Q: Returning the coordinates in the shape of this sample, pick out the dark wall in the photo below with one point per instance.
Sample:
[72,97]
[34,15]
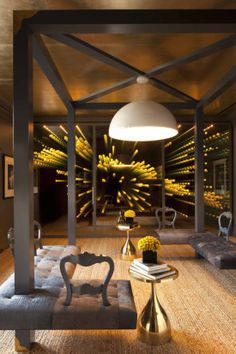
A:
[6,205]
[52,196]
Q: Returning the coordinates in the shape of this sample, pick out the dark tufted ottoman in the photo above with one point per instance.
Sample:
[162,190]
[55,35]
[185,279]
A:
[217,251]
[47,263]
[44,307]
[34,309]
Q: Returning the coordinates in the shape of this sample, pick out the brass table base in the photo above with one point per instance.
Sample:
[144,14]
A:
[128,251]
[153,323]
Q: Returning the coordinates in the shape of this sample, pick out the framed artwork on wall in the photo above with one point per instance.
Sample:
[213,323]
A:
[8,176]
[219,176]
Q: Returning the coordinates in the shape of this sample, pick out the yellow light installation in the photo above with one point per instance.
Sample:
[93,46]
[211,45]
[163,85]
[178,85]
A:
[132,180]
[180,169]
[177,188]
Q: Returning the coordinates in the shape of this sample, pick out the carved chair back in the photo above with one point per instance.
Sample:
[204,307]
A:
[86,259]
[225,221]
[10,238]
[170,216]
[37,237]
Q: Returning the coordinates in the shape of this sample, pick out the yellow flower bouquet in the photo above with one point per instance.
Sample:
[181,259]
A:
[129,216]
[149,245]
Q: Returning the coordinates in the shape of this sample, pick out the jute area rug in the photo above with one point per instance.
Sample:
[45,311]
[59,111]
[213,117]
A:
[201,306]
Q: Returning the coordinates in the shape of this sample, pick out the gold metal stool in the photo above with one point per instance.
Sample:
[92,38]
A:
[153,324]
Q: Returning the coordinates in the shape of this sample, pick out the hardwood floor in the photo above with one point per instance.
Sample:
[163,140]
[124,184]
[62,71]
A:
[201,306]
[6,265]
[106,227]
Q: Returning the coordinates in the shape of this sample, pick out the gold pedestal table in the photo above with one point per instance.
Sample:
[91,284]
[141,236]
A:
[153,324]
[128,251]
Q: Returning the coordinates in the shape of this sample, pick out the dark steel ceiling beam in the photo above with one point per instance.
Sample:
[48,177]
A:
[134,21]
[45,61]
[222,85]
[174,106]
[96,53]
[108,59]
[103,92]
[196,55]
[171,90]
[226,109]
[55,120]
[105,120]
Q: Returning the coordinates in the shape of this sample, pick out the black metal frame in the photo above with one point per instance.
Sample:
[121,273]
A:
[86,259]
[60,23]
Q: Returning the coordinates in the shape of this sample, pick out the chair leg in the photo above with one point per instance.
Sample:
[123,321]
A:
[198,255]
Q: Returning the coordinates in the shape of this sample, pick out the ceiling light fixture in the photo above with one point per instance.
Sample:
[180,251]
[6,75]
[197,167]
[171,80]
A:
[143,121]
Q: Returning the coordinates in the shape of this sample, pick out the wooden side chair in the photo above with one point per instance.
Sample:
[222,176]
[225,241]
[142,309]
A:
[170,217]
[37,237]
[93,303]
[225,221]
[10,238]
[86,259]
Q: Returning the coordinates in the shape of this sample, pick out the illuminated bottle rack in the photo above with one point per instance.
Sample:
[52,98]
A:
[120,183]
[136,183]
[180,168]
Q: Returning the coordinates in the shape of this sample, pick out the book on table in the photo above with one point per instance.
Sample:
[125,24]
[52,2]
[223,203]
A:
[154,276]
[136,267]
[149,267]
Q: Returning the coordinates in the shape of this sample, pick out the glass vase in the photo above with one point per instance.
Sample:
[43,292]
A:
[149,257]
[129,221]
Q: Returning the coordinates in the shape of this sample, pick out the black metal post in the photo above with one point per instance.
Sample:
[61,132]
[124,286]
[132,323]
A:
[94,177]
[23,172]
[71,162]
[199,171]
[163,204]
[233,186]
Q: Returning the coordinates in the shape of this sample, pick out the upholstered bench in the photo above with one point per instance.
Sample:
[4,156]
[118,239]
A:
[217,251]
[47,263]
[44,308]
[34,310]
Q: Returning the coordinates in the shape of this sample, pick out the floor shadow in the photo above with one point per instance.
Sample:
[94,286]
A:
[120,342]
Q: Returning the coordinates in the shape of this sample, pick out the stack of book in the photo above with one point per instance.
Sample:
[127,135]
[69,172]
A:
[150,271]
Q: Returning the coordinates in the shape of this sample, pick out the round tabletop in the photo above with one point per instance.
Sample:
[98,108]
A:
[127,227]
[172,274]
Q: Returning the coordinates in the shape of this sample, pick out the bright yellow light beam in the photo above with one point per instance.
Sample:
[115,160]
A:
[63,129]
[80,131]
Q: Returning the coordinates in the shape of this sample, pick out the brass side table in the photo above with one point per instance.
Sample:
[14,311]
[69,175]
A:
[153,324]
[128,251]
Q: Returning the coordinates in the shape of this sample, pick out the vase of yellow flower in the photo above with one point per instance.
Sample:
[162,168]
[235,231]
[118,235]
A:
[129,216]
[149,245]
[150,257]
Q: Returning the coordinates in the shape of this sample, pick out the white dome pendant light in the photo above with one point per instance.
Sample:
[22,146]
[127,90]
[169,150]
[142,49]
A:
[143,121]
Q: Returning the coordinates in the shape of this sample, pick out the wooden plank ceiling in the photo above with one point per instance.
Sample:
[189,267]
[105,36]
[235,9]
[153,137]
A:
[83,74]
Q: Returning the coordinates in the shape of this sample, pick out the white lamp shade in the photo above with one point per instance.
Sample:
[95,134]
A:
[143,121]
